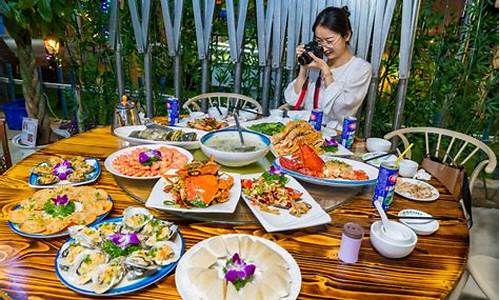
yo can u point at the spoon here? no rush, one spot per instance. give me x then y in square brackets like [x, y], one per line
[241, 148]
[387, 228]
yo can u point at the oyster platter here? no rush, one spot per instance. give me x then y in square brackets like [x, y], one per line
[119, 255]
[58, 171]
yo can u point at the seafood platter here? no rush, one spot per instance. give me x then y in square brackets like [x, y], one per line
[280, 202]
[299, 132]
[119, 255]
[58, 171]
[197, 187]
[237, 266]
[186, 138]
[49, 212]
[308, 166]
[146, 161]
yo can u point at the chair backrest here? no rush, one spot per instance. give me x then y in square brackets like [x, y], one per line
[450, 146]
[222, 100]
[5, 160]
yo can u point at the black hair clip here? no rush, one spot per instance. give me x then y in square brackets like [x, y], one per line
[346, 10]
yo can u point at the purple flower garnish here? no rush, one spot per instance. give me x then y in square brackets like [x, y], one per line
[62, 170]
[238, 272]
[123, 240]
[275, 170]
[331, 142]
[149, 157]
[61, 200]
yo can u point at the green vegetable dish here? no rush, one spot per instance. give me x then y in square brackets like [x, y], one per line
[268, 128]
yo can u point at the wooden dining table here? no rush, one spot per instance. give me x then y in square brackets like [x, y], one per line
[431, 271]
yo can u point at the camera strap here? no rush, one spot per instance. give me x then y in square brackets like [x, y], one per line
[303, 92]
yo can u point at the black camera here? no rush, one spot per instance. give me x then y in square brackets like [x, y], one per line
[313, 47]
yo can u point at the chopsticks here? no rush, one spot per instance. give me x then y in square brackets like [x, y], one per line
[246, 110]
[440, 218]
[379, 156]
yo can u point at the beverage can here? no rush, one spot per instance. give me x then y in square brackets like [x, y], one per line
[348, 131]
[386, 182]
[316, 119]
[173, 110]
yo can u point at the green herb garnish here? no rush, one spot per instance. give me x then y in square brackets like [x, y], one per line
[114, 251]
[58, 210]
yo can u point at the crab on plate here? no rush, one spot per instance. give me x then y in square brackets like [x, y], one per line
[199, 184]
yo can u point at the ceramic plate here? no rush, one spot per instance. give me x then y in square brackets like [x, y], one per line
[188, 291]
[109, 166]
[126, 286]
[158, 196]
[285, 221]
[125, 131]
[14, 227]
[421, 227]
[434, 191]
[247, 125]
[32, 179]
[371, 171]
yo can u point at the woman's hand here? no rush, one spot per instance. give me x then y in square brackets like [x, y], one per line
[319, 63]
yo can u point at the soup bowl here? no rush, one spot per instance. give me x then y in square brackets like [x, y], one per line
[221, 146]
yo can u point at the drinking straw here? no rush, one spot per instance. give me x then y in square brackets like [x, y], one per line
[400, 157]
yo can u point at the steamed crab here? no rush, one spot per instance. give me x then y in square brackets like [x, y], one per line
[199, 184]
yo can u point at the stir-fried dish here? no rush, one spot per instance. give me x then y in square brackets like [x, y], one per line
[269, 191]
[270, 128]
[207, 124]
[198, 184]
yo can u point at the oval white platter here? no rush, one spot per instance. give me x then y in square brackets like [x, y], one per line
[109, 160]
[435, 192]
[125, 131]
[124, 287]
[371, 171]
[188, 291]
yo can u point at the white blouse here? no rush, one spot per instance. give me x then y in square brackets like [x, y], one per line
[343, 97]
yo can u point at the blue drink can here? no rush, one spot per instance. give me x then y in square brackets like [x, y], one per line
[173, 110]
[348, 131]
[316, 119]
[386, 182]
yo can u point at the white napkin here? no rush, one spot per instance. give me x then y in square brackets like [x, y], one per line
[422, 175]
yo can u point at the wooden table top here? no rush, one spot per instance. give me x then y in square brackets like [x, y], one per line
[429, 272]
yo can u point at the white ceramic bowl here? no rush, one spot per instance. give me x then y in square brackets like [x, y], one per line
[389, 248]
[213, 112]
[378, 145]
[235, 159]
[408, 168]
[276, 113]
[299, 115]
[247, 116]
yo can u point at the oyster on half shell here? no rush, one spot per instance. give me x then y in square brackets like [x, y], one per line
[136, 217]
[108, 275]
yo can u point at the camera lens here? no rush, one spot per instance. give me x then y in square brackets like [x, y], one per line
[304, 59]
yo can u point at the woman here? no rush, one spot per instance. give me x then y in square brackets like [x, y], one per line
[344, 78]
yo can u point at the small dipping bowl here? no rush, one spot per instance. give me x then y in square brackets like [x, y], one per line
[235, 159]
[408, 168]
[378, 145]
[213, 112]
[388, 247]
[276, 113]
[299, 115]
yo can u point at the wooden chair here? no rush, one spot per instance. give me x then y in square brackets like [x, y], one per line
[222, 100]
[5, 160]
[459, 147]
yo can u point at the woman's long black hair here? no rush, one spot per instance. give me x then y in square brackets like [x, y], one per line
[336, 19]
